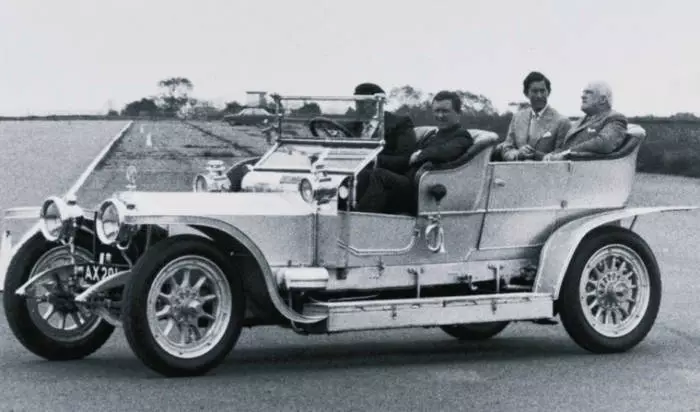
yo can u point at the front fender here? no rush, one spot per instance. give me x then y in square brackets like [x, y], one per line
[238, 235]
[559, 249]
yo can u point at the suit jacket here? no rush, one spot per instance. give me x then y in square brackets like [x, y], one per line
[399, 141]
[443, 146]
[602, 133]
[541, 133]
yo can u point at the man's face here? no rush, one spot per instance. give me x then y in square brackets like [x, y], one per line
[590, 99]
[445, 114]
[537, 93]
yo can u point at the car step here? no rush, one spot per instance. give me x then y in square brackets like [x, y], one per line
[417, 312]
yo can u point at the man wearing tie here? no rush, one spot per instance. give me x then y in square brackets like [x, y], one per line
[533, 132]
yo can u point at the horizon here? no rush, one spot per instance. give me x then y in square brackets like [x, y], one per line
[76, 57]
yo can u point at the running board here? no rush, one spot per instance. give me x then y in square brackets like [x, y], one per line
[422, 312]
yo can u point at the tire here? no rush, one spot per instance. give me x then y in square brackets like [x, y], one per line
[141, 295]
[475, 331]
[577, 318]
[33, 332]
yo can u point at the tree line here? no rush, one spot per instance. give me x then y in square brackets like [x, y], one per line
[175, 99]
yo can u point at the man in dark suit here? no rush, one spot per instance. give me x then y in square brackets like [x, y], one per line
[399, 136]
[389, 191]
[601, 131]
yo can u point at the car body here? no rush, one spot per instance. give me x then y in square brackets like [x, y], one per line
[275, 241]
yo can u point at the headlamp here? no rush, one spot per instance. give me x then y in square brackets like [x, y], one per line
[58, 217]
[320, 191]
[306, 190]
[109, 221]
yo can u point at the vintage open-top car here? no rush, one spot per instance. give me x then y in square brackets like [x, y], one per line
[274, 240]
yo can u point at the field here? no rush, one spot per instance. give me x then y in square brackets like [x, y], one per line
[528, 367]
[671, 148]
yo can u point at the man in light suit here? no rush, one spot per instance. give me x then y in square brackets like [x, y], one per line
[534, 132]
[600, 131]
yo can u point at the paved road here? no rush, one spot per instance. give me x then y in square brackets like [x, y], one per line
[527, 368]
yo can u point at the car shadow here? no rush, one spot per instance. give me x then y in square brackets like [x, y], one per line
[383, 355]
[285, 360]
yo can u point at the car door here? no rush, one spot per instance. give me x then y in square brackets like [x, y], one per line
[523, 203]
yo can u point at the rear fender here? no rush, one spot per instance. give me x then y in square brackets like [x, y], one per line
[559, 249]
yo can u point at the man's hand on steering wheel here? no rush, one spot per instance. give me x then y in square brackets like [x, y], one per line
[328, 125]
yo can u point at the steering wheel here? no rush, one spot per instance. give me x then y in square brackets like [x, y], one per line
[325, 122]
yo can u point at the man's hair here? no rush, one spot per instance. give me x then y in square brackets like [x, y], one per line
[451, 96]
[368, 89]
[536, 77]
[603, 90]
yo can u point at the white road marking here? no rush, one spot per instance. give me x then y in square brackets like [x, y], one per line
[149, 141]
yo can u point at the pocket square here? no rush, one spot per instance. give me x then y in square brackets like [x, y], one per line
[548, 134]
[591, 130]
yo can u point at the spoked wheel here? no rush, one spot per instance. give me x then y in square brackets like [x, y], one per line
[475, 331]
[47, 321]
[184, 309]
[611, 293]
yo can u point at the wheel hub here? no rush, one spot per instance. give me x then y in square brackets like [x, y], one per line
[614, 290]
[185, 303]
[63, 302]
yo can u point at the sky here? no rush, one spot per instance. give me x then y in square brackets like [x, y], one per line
[85, 56]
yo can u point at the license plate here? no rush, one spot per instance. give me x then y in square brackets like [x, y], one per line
[92, 273]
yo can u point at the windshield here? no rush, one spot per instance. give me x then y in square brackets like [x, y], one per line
[327, 117]
[301, 157]
[343, 134]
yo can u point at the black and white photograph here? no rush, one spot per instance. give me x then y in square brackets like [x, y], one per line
[240, 205]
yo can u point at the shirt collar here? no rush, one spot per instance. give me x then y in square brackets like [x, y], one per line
[538, 115]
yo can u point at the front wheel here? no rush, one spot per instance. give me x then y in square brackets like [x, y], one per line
[184, 309]
[48, 322]
[611, 293]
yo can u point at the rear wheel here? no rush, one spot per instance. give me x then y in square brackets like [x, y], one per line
[475, 331]
[47, 321]
[611, 293]
[184, 311]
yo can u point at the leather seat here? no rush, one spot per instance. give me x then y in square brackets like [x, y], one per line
[482, 140]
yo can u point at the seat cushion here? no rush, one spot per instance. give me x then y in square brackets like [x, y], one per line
[477, 134]
[423, 131]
